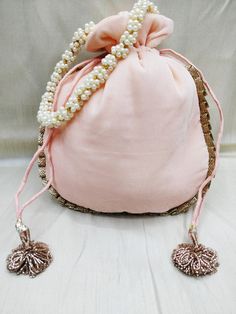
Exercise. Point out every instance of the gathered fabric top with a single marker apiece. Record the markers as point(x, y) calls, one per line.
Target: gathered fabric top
point(107, 32)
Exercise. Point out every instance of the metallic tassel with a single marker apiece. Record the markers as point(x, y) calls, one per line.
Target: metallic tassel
point(29, 258)
point(195, 259)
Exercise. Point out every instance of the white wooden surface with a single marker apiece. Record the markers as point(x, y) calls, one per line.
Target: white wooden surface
point(118, 265)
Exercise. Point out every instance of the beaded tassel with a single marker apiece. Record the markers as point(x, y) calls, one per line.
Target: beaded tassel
point(194, 259)
point(29, 258)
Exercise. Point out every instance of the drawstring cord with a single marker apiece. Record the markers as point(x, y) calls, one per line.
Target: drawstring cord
point(201, 198)
point(85, 68)
point(200, 201)
point(30, 257)
point(195, 259)
point(19, 210)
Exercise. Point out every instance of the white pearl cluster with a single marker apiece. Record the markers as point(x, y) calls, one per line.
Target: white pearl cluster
point(49, 118)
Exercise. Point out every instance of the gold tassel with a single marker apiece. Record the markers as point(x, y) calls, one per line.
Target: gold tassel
point(194, 259)
point(29, 258)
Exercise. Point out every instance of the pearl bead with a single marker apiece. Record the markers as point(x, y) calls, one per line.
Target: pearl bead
point(84, 97)
point(79, 91)
point(88, 92)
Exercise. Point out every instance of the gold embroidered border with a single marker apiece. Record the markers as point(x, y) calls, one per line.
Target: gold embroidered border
point(183, 208)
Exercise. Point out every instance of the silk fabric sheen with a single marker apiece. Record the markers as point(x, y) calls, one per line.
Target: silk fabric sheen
point(137, 145)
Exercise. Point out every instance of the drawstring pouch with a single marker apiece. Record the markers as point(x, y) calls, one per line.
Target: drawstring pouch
point(132, 126)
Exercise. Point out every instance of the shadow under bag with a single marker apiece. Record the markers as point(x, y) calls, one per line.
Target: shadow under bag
point(125, 132)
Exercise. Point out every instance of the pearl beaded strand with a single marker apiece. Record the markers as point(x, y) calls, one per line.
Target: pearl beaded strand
point(46, 116)
point(98, 76)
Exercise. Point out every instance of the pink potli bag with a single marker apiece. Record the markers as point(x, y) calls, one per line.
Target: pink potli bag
point(132, 127)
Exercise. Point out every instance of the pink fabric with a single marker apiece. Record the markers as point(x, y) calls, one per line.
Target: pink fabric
point(108, 32)
point(137, 145)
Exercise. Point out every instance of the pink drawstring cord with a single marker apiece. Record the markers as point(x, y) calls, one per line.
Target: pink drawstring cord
point(201, 198)
point(86, 66)
point(19, 209)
